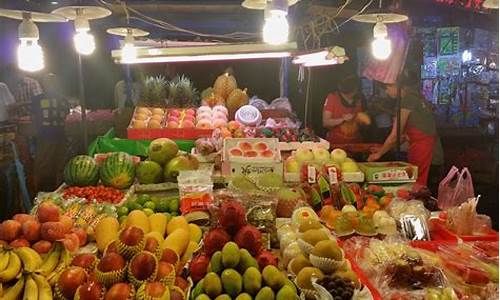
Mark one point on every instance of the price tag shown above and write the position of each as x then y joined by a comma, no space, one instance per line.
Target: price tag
311,174
332,175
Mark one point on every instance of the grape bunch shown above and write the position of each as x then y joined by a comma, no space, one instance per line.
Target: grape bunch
339,288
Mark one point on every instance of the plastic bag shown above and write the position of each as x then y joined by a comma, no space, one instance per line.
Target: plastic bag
453,192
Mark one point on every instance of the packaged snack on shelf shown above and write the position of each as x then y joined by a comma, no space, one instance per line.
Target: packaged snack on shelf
195,190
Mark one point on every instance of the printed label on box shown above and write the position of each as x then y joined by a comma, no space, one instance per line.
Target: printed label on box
311,174
332,175
250,169
391,174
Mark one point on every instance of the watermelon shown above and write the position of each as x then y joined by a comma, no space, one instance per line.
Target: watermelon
118,171
81,170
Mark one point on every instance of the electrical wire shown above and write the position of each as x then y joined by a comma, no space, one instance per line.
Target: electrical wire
170,27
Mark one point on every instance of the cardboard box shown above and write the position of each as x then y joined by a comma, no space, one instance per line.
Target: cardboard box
389,172
249,165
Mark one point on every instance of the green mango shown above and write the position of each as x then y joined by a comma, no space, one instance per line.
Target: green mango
216,262
232,283
230,255
252,281
265,293
212,285
246,261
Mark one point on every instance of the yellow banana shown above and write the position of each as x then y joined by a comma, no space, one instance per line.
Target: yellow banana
44,289
51,261
15,291
30,289
30,258
13,268
64,261
4,260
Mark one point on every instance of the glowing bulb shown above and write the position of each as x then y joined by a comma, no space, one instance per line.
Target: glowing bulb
466,56
30,56
275,30
129,53
84,42
381,48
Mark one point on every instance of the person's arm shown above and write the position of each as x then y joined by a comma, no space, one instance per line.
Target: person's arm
330,122
391,140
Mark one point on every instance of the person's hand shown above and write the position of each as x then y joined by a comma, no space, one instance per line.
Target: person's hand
348,117
374,157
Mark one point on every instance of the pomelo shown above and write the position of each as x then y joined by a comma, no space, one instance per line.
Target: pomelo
162,150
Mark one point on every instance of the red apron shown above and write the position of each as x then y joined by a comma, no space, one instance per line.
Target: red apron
420,152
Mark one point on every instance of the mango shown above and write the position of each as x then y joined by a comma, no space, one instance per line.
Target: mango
202,297
230,255
188,253
246,261
105,232
305,275
223,297
212,285
177,241
139,219
158,223
216,262
197,290
286,293
265,293
273,277
252,281
195,233
313,236
232,283
243,296
176,223
289,283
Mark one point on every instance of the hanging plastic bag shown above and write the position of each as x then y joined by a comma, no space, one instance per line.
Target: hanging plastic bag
455,188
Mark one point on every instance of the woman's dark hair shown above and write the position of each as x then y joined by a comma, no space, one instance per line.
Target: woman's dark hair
349,85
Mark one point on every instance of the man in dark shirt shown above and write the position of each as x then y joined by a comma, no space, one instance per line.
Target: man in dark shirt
49,111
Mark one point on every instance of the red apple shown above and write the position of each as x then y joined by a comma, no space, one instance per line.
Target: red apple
70,279
111,262
131,236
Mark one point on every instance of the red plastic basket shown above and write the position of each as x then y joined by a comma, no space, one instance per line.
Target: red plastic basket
172,133
439,232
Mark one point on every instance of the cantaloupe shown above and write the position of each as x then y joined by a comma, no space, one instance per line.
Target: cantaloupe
176,223
177,241
105,232
139,219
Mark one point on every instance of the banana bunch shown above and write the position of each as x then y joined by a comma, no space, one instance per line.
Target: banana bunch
34,275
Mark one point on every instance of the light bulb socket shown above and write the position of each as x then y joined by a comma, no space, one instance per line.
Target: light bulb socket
277,7
129,39
81,24
380,30
28,30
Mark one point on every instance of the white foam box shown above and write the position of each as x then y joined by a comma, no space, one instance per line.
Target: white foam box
292,146
248,165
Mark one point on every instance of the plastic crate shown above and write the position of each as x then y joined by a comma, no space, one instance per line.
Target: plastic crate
439,232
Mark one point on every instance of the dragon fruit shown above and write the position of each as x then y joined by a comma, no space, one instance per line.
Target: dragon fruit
215,240
205,146
232,216
250,238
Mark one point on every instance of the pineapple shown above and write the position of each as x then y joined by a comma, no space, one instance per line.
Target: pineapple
154,91
181,92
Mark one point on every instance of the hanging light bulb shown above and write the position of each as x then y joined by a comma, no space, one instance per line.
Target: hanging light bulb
29,53
84,41
381,45
129,52
276,29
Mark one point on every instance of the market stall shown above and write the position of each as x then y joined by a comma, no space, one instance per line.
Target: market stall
223,195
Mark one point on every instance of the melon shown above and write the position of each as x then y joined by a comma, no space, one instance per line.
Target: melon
224,85
235,100
149,172
118,171
81,170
